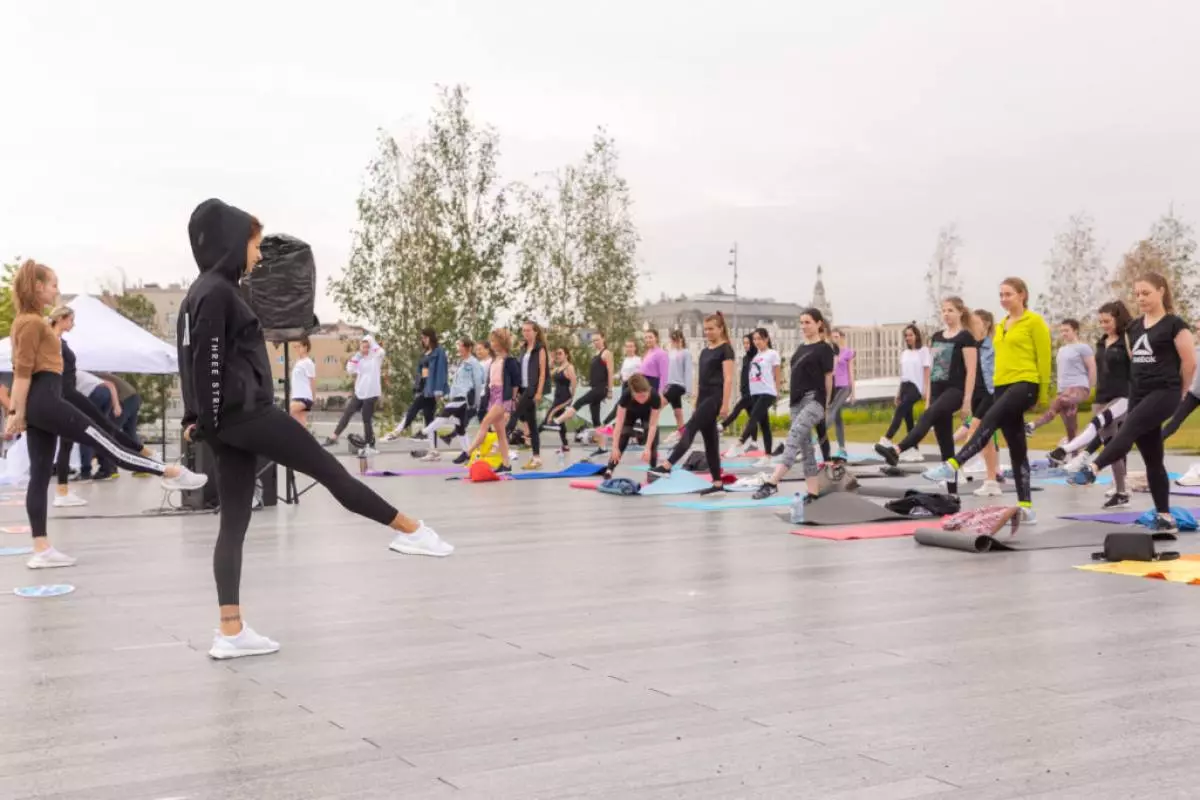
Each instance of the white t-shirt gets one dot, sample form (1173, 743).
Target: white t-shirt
(762, 373)
(304, 372)
(630, 366)
(912, 366)
(86, 382)
(366, 371)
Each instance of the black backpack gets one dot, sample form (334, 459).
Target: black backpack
(923, 504)
(696, 461)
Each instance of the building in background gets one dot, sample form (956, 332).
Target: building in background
(332, 346)
(166, 300)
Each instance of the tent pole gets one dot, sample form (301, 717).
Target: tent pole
(164, 425)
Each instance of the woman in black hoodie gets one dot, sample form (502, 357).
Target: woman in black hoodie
(229, 402)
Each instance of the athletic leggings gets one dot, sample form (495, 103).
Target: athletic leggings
(939, 415)
(822, 431)
(841, 395)
(1186, 406)
(592, 399)
(62, 464)
(368, 414)
(422, 405)
(760, 419)
(1066, 405)
(1007, 415)
(744, 403)
(454, 415)
(909, 396)
(1100, 431)
(674, 395)
(806, 415)
(627, 434)
(704, 422)
(48, 417)
(1143, 427)
(562, 429)
(279, 438)
(526, 411)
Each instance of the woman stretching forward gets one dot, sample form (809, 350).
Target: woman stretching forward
(714, 384)
(952, 382)
(229, 402)
(811, 388)
(1162, 362)
(1022, 342)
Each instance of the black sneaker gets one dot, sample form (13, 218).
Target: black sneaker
(462, 458)
(1117, 501)
(329, 442)
(1163, 524)
(888, 454)
(778, 451)
(599, 451)
(1057, 457)
(503, 468)
(716, 488)
(660, 470)
(766, 490)
(106, 475)
(447, 437)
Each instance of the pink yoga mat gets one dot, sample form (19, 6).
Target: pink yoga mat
(584, 484)
(874, 530)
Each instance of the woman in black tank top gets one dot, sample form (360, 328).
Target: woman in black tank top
(599, 383)
(564, 389)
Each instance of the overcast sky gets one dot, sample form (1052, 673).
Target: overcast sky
(842, 133)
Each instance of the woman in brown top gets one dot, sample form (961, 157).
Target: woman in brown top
(40, 412)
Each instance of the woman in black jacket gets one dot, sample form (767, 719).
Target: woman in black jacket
(229, 403)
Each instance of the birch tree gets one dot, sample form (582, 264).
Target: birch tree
(1076, 277)
(942, 279)
(1173, 239)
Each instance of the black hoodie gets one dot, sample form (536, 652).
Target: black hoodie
(224, 370)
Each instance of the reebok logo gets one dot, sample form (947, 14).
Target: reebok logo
(1142, 353)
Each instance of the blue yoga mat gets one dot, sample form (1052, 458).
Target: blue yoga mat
(579, 470)
(1102, 480)
(733, 502)
(678, 482)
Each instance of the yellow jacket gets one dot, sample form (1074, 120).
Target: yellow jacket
(1023, 352)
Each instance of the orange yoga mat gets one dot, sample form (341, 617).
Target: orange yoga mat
(874, 530)
(1185, 569)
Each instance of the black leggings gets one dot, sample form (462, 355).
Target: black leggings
(48, 417)
(612, 412)
(526, 411)
(909, 396)
(674, 395)
(592, 399)
(627, 434)
(939, 415)
(62, 464)
(1006, 415)
(562, 429)
(704, 422)
(279, 438)
(368, 414)
(822, 432)
(760, 419)
(1186, 406)
(1142, 426)
(744, 403)
(426, 406)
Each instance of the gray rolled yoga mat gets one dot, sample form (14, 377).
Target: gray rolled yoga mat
(1080, 534)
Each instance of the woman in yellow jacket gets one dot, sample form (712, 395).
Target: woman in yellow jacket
(1022, 379)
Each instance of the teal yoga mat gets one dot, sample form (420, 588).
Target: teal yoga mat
(733, 502)
(678, 482)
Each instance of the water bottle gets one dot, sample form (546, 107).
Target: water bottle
(562, 458)
(362, 462)
(798, 503)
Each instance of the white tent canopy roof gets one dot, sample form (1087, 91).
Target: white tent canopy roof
(105, 341)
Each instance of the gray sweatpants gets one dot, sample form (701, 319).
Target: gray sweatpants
(840, 395)
(806, 415)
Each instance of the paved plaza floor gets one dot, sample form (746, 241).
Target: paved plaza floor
(579, 645)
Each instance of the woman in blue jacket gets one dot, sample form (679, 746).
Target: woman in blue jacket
(430, 383)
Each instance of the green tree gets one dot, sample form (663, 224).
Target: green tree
(154, 389)
(433, 231)
(7, 311)
(577, 247)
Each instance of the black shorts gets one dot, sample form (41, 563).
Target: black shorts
(980, 403)
(674, 395)
(307, 402)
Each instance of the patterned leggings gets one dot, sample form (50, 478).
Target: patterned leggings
(806, 415)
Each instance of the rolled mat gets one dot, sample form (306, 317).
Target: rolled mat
(581, 469)
(584, 484)
(878, 530)
(1080, 534)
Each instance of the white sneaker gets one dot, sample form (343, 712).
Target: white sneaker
(369, 451)
(49, 559)
(246, 643)
(912, 456)
(885, 442)
(1078, 461)
(765, 461)
(1028, 517)
(423, 542)
(733, 452)
(185, 481)
(68, 500)
(989, 489)
(153, 455)
(432, 455)
(1191, 477)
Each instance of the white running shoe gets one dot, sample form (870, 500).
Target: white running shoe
(432, 455)
(185, 481)
(912, 456)
(423, 542)
(1078, 462)
(1191, 477)
(885, 442)
(49, 559)
(68, 500)
(989, 489)
(1028, 517)
(734, 452)
(246, 643)
(764, 462)
(370, 451)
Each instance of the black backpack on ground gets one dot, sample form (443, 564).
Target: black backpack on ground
(923, 504)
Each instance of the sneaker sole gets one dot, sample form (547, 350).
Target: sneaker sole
(416, 551)
(226, 656)
(49, 566)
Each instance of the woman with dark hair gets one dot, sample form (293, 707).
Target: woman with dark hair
(1162, 362)
(843, 387)
(915, 364)
(366, 365)
(679, 380)
(534, 370)
(563, 376)
(1076, 375)
(744, 401)
(469, 385)
(431, 385)
(599, 384)
(1022, 376)
(229, 403)
(811, 389)
(763, 390)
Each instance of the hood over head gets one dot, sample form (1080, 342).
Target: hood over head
(219, 234)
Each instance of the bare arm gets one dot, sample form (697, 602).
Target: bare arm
(925, 395)
(618, 426)
(542, 369)
(116, 397)
(828, 390)
(971, 360)
(608, 372)
(727, 369)
(1184, 344)
(1090, 363)
(850, 365)
(20, 393)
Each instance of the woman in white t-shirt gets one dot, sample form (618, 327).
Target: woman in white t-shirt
(915, 364)
(304, 382)
(765, 371)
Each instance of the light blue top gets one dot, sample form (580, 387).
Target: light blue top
(1072, 366)
(470, 375)
(679, 371)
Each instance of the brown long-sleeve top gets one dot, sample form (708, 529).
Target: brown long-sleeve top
(35, 347)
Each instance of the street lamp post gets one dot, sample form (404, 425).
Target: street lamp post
(733, 262)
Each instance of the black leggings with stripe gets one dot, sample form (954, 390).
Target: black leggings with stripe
(48, 417)
(1007, 415)
(62, 464)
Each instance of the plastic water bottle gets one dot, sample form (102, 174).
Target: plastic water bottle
(562, 458)
(798, 508)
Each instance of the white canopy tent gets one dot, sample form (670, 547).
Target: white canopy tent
(105, 341)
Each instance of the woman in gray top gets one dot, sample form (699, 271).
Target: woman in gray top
(679, 379)
(1076, 377)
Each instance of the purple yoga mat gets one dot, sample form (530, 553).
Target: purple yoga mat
(1185, 491)
(1117, 517)
(400, 473)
